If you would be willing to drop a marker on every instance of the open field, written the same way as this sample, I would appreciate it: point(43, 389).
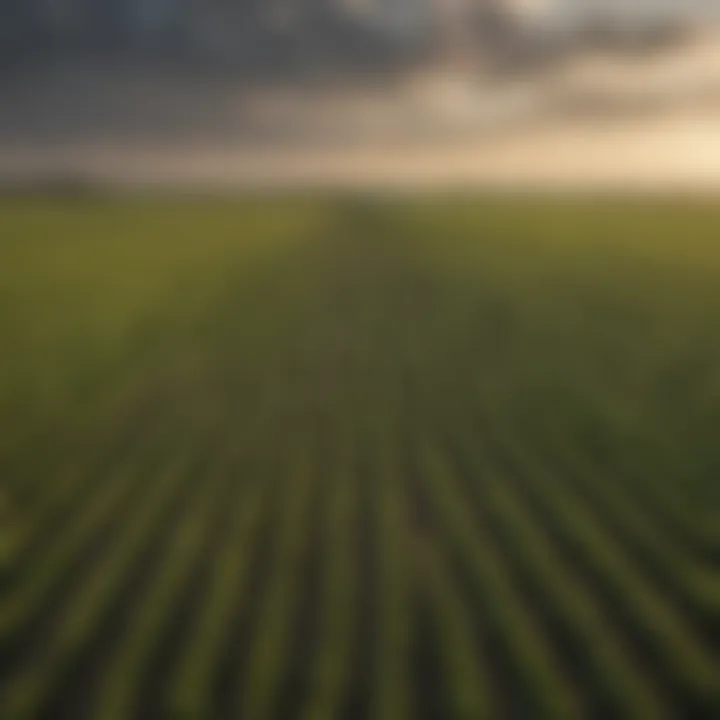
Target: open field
point(346, 458)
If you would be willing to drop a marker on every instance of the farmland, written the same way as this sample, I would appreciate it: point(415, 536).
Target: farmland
point(359, 458)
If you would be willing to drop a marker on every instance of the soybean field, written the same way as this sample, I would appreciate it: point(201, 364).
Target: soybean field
point(348, 458)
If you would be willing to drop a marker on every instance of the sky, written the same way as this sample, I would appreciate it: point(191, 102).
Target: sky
point(410, 15)
point(626, 9)
point(663, 112)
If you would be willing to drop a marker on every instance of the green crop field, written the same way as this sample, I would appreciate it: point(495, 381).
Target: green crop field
point(359, 458)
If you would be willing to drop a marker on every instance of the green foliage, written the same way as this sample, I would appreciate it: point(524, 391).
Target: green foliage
point(328, 456)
